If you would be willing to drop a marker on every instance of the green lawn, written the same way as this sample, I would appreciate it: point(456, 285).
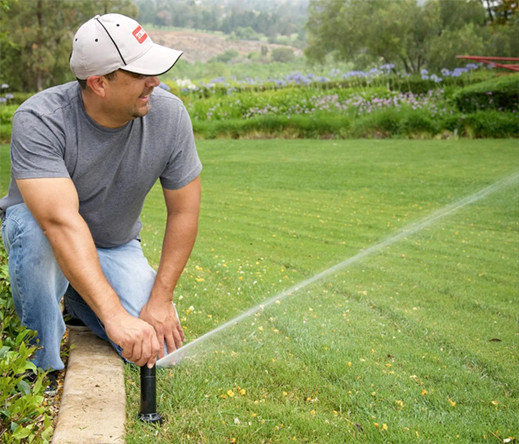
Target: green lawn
point(417, 342)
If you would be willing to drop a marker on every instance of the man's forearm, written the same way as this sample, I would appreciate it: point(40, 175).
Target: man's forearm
point(183, 207)
point(179, 239)
point(76, 254)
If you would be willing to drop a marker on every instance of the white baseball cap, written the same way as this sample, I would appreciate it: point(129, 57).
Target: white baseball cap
point(110, 42)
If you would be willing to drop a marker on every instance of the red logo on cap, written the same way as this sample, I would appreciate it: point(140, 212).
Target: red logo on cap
point(140, 34)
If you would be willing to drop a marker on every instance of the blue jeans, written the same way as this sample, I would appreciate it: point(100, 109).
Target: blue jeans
point(38, 285)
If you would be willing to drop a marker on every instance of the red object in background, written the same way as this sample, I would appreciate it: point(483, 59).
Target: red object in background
point(490, 61)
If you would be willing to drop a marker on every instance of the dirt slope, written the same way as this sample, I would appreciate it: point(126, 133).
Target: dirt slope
point(200, 47)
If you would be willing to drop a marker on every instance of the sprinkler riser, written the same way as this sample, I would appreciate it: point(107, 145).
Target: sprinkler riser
point(148, 412)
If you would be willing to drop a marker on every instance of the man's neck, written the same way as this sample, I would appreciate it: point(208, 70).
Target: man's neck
point(95, 110)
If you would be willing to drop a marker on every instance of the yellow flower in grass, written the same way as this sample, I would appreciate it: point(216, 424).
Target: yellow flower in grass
point(452, 403)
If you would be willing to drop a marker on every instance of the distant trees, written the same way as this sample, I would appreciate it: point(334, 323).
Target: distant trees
point(269, 19)
point(36, 38)
point(411, 34)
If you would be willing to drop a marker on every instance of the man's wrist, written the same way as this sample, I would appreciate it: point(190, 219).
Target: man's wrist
point(162, 291)
point(111, 309)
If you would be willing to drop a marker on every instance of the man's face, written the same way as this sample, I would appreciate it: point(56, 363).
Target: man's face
point(128, 96)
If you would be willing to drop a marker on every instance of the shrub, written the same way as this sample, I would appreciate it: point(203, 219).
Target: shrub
point(7, 113)
point(383, 123)
point(414, 123)
point(6, 119)
point(500, 93)
point(23, 416)
point(226, 57)
point(283, 55)
point(489, 124)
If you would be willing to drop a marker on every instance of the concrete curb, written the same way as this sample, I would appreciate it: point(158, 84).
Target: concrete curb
point(93, 405)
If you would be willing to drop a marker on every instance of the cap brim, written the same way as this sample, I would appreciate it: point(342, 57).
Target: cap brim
point(158, 60)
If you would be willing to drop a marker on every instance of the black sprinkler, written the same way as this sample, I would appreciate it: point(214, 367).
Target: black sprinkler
point(148, 412)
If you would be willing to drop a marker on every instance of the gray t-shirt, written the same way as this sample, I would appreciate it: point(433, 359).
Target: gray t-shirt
point(112, 169)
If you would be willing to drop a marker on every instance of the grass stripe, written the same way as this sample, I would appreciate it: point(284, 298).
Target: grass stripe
point(177, 356)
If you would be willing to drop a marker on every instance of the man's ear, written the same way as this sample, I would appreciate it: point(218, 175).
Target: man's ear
point(97, 85)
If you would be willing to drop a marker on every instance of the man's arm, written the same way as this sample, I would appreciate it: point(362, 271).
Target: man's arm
point(181, 229)
point(54, 204)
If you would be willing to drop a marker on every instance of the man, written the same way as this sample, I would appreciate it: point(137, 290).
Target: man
point(84, 155)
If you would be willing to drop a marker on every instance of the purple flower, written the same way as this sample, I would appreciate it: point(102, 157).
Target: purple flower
point(388, 66)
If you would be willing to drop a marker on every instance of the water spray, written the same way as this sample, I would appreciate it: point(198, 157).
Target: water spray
point(176, 356)
point(148, 389)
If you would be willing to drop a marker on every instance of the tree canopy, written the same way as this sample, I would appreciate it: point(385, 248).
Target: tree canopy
point(36, 38)
point(411, 34)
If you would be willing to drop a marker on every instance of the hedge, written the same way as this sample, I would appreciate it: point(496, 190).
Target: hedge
point(500, 94)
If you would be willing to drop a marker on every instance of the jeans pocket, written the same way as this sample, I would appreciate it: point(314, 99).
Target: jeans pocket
point(10, 227)
point(5, 235)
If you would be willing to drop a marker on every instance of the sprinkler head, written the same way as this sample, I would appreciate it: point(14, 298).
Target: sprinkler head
point(148, 411)
point(151, 418)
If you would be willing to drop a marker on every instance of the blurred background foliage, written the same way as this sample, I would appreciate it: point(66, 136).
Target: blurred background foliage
point(412, 35)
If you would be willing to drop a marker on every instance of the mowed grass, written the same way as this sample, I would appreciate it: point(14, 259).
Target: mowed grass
point(417, 342)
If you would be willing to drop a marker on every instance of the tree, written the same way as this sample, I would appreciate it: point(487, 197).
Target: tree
point(500, 11)
point(502, 30)
point(283, 55)
point(410, 34)
point(367, 31)
point(36, 51)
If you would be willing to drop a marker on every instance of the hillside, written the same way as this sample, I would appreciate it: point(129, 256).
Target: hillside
point(201, 47)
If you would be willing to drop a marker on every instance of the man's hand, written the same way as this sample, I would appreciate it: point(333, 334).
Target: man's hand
point(136, 337)
point(163, 317)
